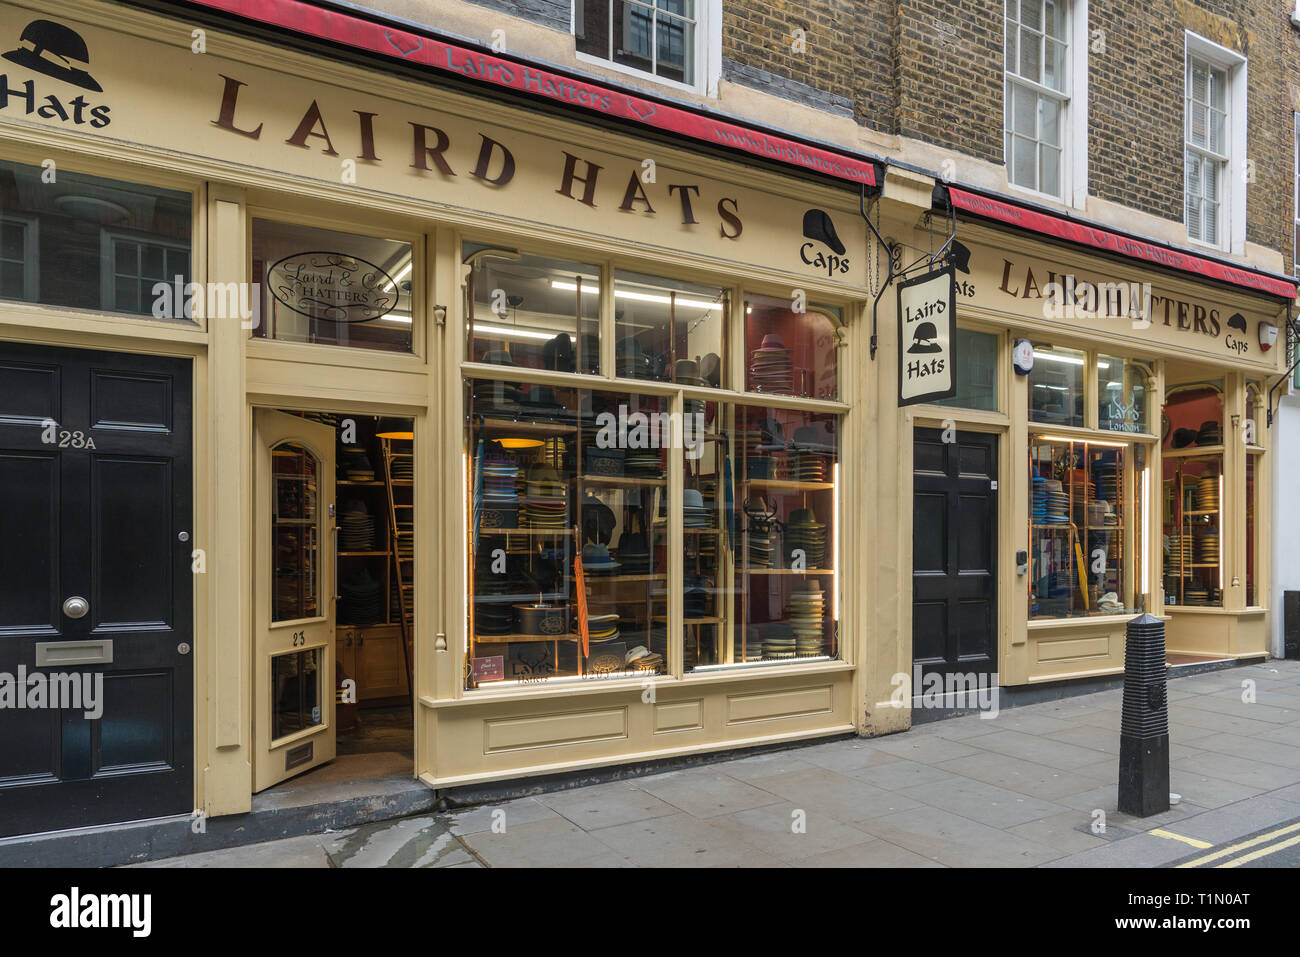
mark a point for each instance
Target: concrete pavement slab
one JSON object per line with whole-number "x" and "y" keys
{"x": 957, "y": 841}
{"x": 306, "y": 851}
{"x": 788, "y": 833}
{"x": 704, "y": 793}
{"x": 875, "y": 853}
{"x": 550, "y": 843}
{"x": 839, "y": 796}
{"x": 606, "y": 805}
{"x": 1025, "y": 777}
{"x": 681, "y": 840}
{"x": 901, "y": 774}
{"x": 986, "y": 803}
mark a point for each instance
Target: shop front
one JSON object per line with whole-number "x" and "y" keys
{"x": 1104, "y": 455}
{"x": 393, "y": 407}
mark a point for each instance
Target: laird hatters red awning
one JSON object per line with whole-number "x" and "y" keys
{"x": 422, "y": 49}
{"x": 1072, "y": 231}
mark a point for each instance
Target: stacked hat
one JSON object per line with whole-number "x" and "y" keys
{"x": 403, "y": 467}
{"x": 602, "y": 628}
{"x": 631, "y": 361}
{"x": 1040, "y": 500}
{"x": 362, "y": 598}
{"x": 814, "y": 447}
{"x": 687, "y": 372}
{"x": 355, "y": 465}
{"x": 539, "y": 403}
{"x": 807, "y": 608}
{"x": 771, "y": 366}
{"x": 753, "y": 643}
{"x": 644, "y": 463}
{"x": 779, "y": 640}
{"x": 695, "y": 514}
{"x": 804, "y": 532}
{"x": 500, "y": 493}
{"x": 634, "y": 553}
{"x": 356, "y": 527}
{"x": 1108, "y": 476}
{"x": 1058, "y": 504}
{"x": 697, "y": 591}
{"x": 642, "y": 658}
{"x": 761, "y": 533}
{"x": 1210, "y": 433}
{"x": 598, "y": 520}
{"x": 545, "y": 505}
{"x": 1180, "y": 549}
{"x": 1207, "y": 547}
{"x": 1206, "y": 494}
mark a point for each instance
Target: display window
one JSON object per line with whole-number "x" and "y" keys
{"x": 1193, "y": 417}
{"x": 791, "y": 347}
{"x": 85, "y": 242}
{"x": 1088, "y": 522}
{"x": 1193, "y": 510}
{"x": 669, "y": 331}
{"x": 977, "y": 372}
{"x": 332, "y": 288}
{"x": 1056, "y": 386}
{"x": 532, "y": 311}
{"x": 1123, "y": 394}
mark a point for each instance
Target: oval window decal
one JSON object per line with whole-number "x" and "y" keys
{"x": 332, "y": 287}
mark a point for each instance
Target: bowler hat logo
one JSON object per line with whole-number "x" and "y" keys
{"x": 56, "y": 51}
{"x": 925, "y": 339}
{"x": 817, "y": 226}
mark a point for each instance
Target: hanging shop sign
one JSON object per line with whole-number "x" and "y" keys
{"x": 927, "y": 338}
{"x": 332, "y": 287}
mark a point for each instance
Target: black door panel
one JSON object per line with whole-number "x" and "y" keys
{"x": 954, "y": 552}
{"x": 95, "y": 486}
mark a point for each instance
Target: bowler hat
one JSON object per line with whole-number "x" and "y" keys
{"x": 54, "y": 50}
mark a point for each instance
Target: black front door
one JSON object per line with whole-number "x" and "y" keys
{"x": 954, "y": 552}
{"x": 96, "y": 589}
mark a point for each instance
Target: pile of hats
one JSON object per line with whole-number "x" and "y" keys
{"x": 695, "y": 514}
{"x": 362, "y": 598}
{"x": 356, "y": 527}
{"x": 1207, "y": 547}
{"x": 634, "y": 553}
{"x": 687, "y": 372}
{"x": 553, "y": 453}
{"x": 761, "y": 532}
{"x": 1058, "y": 503}
{"x": 403, "y": 468}
{"x": 1040, "y": 500}
{"x": 1108, "y": 476}
{"x": 803, "y": 532}
{"x": 1180, "y": 549}
{"x": 545, "y": 506}
{"x": 500, "y": 493}
{"x": 1210, "y": 433}
{"x": 1205, "y": 494}
{"x": 602, "y": 629}
{"x": 814, "y": 448}
{"x": 807, "y": 607}
{"x": 779, "y": 640}
{"x": 540, "y": 403}
{"x": 355, "y": 466}
{"x": 633, "y": 362}
{"x": 695, "y": 603}
{"x": 771, "y": 366}
{"x": 642, "y": 658}
{"x": 644, "y": 463}
{"x": 1196, "y": 596}
{"x": 753, "y": 650}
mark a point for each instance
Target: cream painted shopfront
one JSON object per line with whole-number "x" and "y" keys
{"x": 436, "y": 411}
{"x": 428, "y": 416}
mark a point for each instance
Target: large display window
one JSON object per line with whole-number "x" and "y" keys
{"x": 1192, "y": 494}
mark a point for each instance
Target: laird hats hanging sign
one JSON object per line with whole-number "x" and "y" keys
{"x": 927, "y": 338}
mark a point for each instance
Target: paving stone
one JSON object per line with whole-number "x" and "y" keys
{"x": 1206, "y": 791}
{"x": 848, "y": 756}
{"x": 1255, "y": 774}
{"x": 1235, "y": 820}
{"x": 1144, "y": 850}
{"x": 705, "y": 794}
{"x": 606, "y": 805}
{"x": 957, "y": 841}
{"x": 550, "y": 843}
{"x": 306, "y": 851}
{"x": 982, "y": 802}
{"x": 1268, "y": 752}
{"x": 874, "y": 853}
{"x": 772, "y": 829}
{"x": 479, "y": 819}
{"x": 765, "y": 765}
{"x": 929, "y": 749}
{"x": 681, "y": 840}
{"x": 1041, "y": 750}
{"x": 1060, "y": 831}
{"x": 900, "y": 774}
{"x": 839, "y": 796}
{"x": 1025, "y": 777}
{"x": 422, "y": 841}
{"x": 1030, "y": 720}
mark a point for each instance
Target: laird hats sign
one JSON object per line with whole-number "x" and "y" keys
{"x": 486, "y": 164}
{"x": 927, "y": 338}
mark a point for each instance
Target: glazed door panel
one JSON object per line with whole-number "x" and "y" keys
{"x": 954, "y": 552}
{"x": 96, "y": 593}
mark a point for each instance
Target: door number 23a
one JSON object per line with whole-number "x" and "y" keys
{"x": 51, "y": 434}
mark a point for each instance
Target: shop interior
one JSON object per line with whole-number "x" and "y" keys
{"x": 374, "y": 604}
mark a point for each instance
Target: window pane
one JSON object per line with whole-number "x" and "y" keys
{"x": 1218, "y": 123}
{"x": 633, "y": 31}
{"x": 1012, "y": 58}
{"x": 1024, "y": 110}
{"x": 785, "y": 584}
{"x": 583, "y": 487}
{"x": 1050, "y": 121}
{"x": 534, "y": 311}
{"x": 1218, "y": 89}
{"x": 1252, "y": 477}
{"x": 1056, "y": 386}
{"x": 11, "y": 240}
{"x": 12, "y": 281}
{"x": 1085, "y": 498}
{"x": 591, "y": 27}
{"x": 295, "y": 534}
{"x": 1030, "y": 55}
{"x": 1024, "y": 163}
{"x": 1123, "y": 385}
{"x": 1031, "y": 14}
{"x": 1210, "y": 211}
{"x": 1199, "y": 123}
{"x": 91, "y": 229}
{"x": 1054, "y": 65}
{"x": 789, "y": 353}
{"x": 329, "y": 287}
{"x": 1050, "y": 170}
{"x": 1192, "y": 499}
{"x": 977, "y": 372}
{"x": 296, "y": 690}
{"x": 676, "y": 49}
{"x": 1013, "y": 9}
{"x": 668, "y": 330}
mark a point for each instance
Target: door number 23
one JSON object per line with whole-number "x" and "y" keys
{"x": 51, "y": 434}
{"x": 299, "y": 638}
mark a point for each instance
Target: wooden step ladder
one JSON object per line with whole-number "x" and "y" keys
{"x": 401, "y": 553}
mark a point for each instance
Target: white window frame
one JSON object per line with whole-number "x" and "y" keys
{"x": 108, "y": 238}
{"x": 708, "y": 49}
{"x": 1232, "y": 221}
{"x": 31, "y": 255}
{"x": 1074, "y": 123}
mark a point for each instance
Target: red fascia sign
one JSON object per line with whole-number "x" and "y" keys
{"x": 409, "y": 47}
{"x": 1059, "y": 228}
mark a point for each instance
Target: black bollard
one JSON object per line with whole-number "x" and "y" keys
{"x": 1144, "y": 727}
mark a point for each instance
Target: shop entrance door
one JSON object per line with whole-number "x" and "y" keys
{"x": 293, "y": 596}
{"x": 96, "y": 592}
{"x": 954, "y": 552}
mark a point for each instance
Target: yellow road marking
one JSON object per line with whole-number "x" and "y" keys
{"x": 1242, "y": 846}
{"x": 1159, "y": 832}
{"x": 1262, "y": 852}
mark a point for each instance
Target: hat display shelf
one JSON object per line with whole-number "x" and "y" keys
{"x": 1193, "y": 558}
{"x": 540, "y": 558}
{"x": 1079, "y": 503}
{"x": 778, "y": 510}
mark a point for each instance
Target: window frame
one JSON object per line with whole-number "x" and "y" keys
{"x": 31, "y": 226}
{"x": 1073, "y": 103}
{"x": 1232, "y": 219}
{"x": 708, "y": 47}
{"x": 108, "y": 271}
